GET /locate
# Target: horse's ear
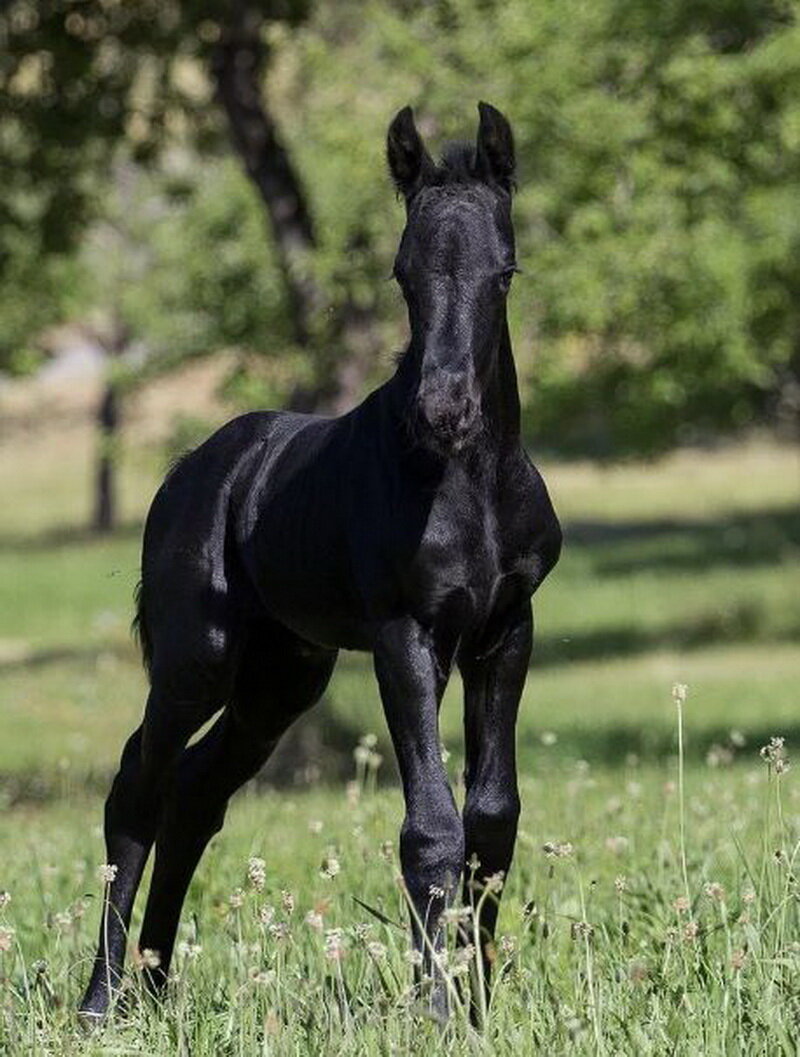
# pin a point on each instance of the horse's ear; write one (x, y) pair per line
(494, 151)
(409, 161)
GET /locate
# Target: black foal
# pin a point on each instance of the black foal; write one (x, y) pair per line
(414, 527)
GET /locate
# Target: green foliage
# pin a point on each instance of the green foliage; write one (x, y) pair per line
(658, 220)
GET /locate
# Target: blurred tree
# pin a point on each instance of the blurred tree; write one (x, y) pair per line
(658, 219)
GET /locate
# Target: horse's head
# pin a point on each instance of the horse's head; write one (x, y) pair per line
(455, 264)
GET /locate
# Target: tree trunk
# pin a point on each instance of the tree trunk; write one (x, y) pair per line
(114, 338)
(238, 68)
(105, 508)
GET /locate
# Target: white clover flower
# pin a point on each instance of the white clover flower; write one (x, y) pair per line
(106, 873)
(266, 914)
(376, 950)
(679, 693)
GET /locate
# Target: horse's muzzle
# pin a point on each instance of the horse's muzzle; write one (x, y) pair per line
(448, 412)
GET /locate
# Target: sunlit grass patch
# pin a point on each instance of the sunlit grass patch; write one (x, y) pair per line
(293, 936)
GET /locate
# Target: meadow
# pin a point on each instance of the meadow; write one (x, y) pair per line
(654, 903)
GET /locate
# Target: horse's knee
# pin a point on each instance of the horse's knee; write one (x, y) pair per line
(432, 850)
(492, 815)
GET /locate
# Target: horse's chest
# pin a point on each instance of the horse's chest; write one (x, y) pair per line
(466, 562)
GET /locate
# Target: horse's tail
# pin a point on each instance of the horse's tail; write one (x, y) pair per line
(140, 629)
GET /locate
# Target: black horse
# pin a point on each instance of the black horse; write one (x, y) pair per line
(415, 527)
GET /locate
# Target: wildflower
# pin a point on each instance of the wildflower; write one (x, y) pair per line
(279, 930)
(775, 755)
(508, 946)
(690, 931)
(387, 851)
(714, 890)
(5, 899)
(236, 899)
(334, 945)
(314, 920)
(148, 959)
(189, 950)
(362, 929)
(719, 756)
(6, 939)
(361, 754)
(376, 950)
(556, 850)
(266, 914)
(287, 900)
(620, 884)
(749, 896)
(679, 693)
(456, 915)
(617, 845)
(414, 957)
(495, 882)
(738, 958)
(682, 904)
(63, 921)
(737, 739)
(106, 873)
(436, 892)
(330, 867)
(581, 930)
(474, 863)
(257, 872)
(315, 825)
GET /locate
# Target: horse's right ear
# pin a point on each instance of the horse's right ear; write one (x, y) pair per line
(409, 161)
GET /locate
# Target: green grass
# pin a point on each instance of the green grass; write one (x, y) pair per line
(641, 976)
(681, 571)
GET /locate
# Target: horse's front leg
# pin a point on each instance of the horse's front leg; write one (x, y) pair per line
(492, 690)
(412, 678)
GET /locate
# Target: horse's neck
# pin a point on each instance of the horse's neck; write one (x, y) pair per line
(501, 395)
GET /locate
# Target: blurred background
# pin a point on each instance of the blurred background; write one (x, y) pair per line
(196, 219)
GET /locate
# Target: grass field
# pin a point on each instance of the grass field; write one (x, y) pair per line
(681, 571)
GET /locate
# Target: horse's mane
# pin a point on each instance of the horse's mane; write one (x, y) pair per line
(457, 164)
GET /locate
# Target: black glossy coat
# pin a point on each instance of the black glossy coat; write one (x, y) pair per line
(414, 527)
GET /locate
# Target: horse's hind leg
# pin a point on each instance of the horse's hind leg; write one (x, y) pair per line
(131, 820)
(279, 678)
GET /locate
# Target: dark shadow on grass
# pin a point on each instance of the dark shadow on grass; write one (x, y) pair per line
(67, 536)
(745, 623)
(320, 754)
(36, 659)
(763, 537)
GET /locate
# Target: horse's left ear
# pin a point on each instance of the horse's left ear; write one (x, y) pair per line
(494, 151)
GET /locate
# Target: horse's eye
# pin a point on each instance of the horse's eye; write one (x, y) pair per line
(505, 277)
